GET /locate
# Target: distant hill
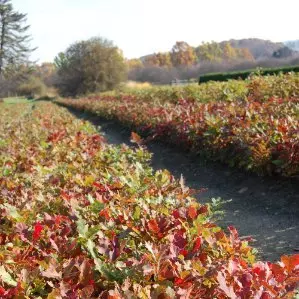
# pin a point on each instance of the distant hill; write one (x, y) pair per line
(293, 44)
(259, 48)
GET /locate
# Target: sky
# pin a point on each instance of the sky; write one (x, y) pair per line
(141, 27)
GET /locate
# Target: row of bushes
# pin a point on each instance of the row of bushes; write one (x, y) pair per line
(97, 222)
(245, 74)
(261, 87)
(255, 128)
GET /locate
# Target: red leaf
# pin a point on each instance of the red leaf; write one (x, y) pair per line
(203, 210)
(246, 280)
(269, 287)
(234, 236)
(2, 291)
(182, 283)
(37, 231)
(85, 272)
(3, 238)
(278, 272)
(178, 281)
(183, 252)
(105, 213)
(266, 295)
(101, 187)
(179, 240)
(203, 257)
(176, 214)
(65, 196)
(197, 244)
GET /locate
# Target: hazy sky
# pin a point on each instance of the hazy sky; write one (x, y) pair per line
(141, 27)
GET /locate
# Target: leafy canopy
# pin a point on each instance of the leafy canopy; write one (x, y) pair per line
(90, 66)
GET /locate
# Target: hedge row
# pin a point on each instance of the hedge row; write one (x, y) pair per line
(245, 74)
(257, 134)
(83, 219)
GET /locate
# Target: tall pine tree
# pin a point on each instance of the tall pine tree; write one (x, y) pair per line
(14, 40)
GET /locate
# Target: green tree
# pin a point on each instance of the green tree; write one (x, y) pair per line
(164, 59)
(182, 54)
(134, 64)
(209, 52)
(229, 52)
(12, 76)
(32, 87)
(14, 40)
(90, 66)
(151, 60)
(158, 59)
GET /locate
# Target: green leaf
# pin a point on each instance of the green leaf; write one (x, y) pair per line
(137, 212)
(278, 162)
(6, 277)
(2, 143)
(44, 144)
(6, 172)
(12, 211)
(97, 207)
(82, 228)
(91, 248)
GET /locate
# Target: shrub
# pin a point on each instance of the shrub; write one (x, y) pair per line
(33, 87)
(90, 66)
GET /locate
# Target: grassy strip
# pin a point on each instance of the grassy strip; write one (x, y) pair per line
(15, 100)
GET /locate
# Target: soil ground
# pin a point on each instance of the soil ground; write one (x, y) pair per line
(265, 208)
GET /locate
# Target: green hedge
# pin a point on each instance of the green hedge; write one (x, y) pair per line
(244, 74)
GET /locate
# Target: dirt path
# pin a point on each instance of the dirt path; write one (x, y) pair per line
(265, 208)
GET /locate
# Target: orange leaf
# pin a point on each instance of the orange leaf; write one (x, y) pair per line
(135, 138)
(290, 262)
(153, 226)
(192, 212)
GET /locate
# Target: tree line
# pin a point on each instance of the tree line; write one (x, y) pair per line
(87, 66)
(182, 54)
(97, 65)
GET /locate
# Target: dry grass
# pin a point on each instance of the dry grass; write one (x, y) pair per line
(138, 85)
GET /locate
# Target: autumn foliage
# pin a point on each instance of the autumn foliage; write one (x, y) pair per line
(254, 128)
(83, 219)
